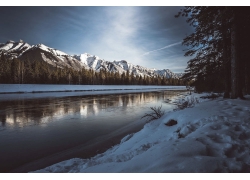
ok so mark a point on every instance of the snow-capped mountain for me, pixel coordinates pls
(57, 58)
(53, 56)
(14, 49)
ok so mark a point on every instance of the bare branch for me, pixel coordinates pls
(155, 114)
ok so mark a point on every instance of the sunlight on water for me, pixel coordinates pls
(84, 111)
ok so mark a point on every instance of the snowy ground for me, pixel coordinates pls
(212, 136)
(37, 88)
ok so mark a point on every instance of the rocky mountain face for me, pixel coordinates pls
(57, 58)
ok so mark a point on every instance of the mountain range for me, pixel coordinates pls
(57, 58)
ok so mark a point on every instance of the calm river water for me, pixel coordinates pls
(32, 129)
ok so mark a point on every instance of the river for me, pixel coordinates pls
(37, 132)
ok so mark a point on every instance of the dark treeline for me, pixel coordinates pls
(17, 71)
(219, 45)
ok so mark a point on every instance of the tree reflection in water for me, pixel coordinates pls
(35, 128)
(27, 112)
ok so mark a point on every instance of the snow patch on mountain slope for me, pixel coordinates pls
(11, 46)
(166, 73)
(123, 64)
(14, 49)
(51, 50)
(7, 46)
(83, 58)
(91, 61)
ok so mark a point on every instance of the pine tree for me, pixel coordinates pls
(217, 38)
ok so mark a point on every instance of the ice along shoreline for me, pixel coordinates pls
(16, 91)
(40, 88)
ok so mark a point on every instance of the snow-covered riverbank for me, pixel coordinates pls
(37, 88)
(213, 136)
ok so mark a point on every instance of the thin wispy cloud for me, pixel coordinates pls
(117, 35)
(165, 47)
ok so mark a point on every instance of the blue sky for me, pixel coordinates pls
(149, 36)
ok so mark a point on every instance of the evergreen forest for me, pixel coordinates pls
(218, 48)
(16, 71)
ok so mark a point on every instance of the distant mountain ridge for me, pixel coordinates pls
(57, 58)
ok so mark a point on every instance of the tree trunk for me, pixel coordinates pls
(226, 64)
(247, 74)
(235, 59)
(245, 37)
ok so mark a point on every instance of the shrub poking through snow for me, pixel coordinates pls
(156, 113)
(171, 122)
(189, 101)
(211, 96)
(179, 134)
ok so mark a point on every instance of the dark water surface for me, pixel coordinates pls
(32, 129)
